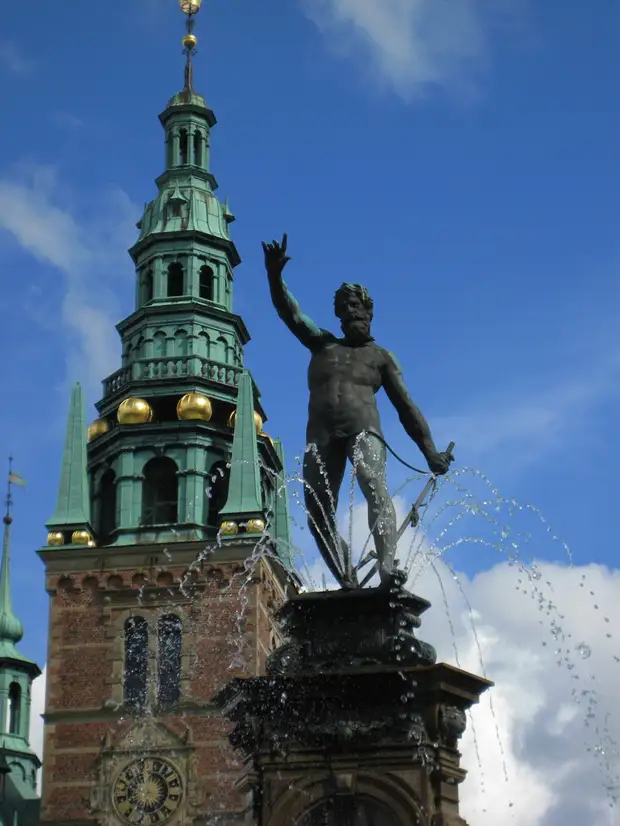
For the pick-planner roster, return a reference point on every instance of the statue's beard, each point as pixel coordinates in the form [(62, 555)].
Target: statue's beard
[(356, 330)]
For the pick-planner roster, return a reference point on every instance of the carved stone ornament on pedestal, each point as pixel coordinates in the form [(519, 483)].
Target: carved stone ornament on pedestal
[(355, 723), (146, 775)]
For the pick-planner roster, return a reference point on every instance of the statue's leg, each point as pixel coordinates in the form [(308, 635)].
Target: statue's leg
[(368, 456), (323, 476)]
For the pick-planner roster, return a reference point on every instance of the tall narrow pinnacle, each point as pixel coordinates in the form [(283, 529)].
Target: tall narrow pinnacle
[(73, 505), (244, 488)]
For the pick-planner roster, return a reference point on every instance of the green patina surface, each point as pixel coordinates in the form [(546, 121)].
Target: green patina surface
[(245, 498), (21, 800), (73, 503)]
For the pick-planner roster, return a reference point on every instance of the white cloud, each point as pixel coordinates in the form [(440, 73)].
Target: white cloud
[(413, 44), (37, 707), (88, 253)]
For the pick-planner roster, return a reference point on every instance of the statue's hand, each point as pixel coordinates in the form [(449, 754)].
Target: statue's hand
[(439, 463), (275, 256)]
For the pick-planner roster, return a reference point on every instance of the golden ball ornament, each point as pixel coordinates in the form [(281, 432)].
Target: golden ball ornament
[(97, 428), (134, 411), (258, 422), (194, 406), (190, 6), (229, 528), (55, 538), (189, 41), (255, 526), (81, 537)]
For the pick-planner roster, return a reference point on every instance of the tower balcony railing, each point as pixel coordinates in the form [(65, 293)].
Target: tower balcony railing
[(171, 367)]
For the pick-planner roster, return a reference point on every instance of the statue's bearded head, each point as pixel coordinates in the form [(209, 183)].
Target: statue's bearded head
[(353, 306)]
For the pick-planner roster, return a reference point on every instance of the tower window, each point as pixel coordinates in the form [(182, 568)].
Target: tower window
[(160, 492), (136, 663), (169, 636), (107, 494), (183, 146), (206, 283), (198, 148), (175, 280), (14, 709), (147, 286)]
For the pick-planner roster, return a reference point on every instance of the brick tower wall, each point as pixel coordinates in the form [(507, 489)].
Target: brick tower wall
[(227, 631)]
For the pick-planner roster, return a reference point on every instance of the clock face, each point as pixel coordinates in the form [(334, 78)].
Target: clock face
[(147, 791)]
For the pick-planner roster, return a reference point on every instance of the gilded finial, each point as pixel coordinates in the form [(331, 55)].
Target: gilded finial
[(189, 39)]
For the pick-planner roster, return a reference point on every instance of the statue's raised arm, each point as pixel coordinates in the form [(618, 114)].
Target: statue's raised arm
[(287, 308)]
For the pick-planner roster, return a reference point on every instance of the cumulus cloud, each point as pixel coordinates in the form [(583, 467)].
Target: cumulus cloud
[(413, 45), (88, 252)]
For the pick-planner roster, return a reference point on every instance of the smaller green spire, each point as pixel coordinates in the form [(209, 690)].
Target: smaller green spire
[(11, 629), (245, 499), (281, 520), (73, 505)]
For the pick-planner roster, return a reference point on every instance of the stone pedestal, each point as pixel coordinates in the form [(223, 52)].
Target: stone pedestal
[(355, 723)]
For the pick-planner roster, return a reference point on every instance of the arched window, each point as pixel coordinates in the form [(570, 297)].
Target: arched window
[(147, 286), (183, 146), (136, 663), (206, 283), (181, 343), (217, 491), (169, 660), (14, 709), (107, 504), (198, 148), (160, 492), (159, 344), (175, 280)]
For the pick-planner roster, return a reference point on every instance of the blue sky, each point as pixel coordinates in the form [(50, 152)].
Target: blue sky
[(458, 158)]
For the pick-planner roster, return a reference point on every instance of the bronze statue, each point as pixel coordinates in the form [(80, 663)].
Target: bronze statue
[(343, 420)]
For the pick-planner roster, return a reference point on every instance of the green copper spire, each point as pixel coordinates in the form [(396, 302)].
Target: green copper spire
[(11, 629), (281, 521), (72, 506), (245, 498)]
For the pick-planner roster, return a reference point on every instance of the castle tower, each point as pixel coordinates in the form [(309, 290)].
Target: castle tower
[(162, 501), (19, 805)]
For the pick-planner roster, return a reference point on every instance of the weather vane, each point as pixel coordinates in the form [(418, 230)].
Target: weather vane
[(189, 40)]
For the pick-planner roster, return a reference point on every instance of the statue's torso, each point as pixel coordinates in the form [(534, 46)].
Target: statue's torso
[(343, 381)]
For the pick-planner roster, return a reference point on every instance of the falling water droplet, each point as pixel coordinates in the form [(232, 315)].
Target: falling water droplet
[(584, 650)]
